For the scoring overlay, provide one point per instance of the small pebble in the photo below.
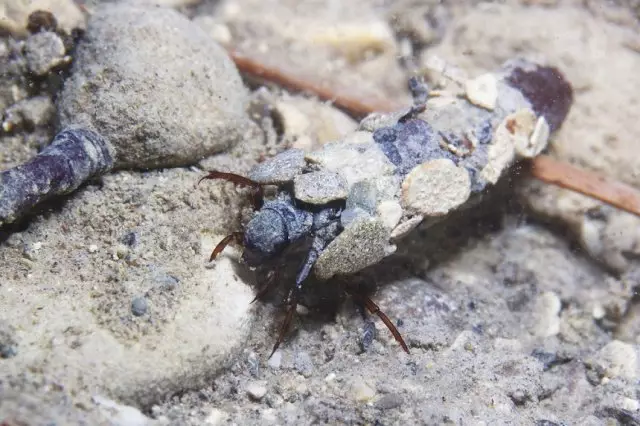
(360, 245)
(617, 359)
(275, 361)
(320, 187)
(389, 401)
(93, 248)
(483, 91)
(282, 168)
(436, 187)
(361, 392)
(44, 51)
(257, 390)
(546, 315)
(139, 306)
(303, 364)
(7, 351)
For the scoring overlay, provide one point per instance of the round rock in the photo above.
(435, 188)
(281, 169)
(156, 86)
(320, 187)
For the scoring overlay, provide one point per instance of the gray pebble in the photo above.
(282, 168)
(155, 85)
(166, 281)
(363, 195)
(139, 306)
(362, 244)
(130, 239)
(368, 334)
(320, 187)
(303, 364)
(389, 401)
(44, 51)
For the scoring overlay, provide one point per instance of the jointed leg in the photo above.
(257, 195)
(316, 247)
(236, 237)
(266, 286)
(375, 310)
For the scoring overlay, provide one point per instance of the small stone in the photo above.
(257, 390)
(362, 195)
(360, 245)
(483, 91)
(405, 227)
(14, 14)
(501, 152)
(617, 359)
(282, 168)
(320, 187)
(546, 315)
(93, 248)
(356, 162)
(353, 39)
(44, 52)
(361, 392)
(303, 363)
(166, 282)
(435, 188)
(275, 361)
(389, 401)
(139, 306)
(390, 212)
(216, 417)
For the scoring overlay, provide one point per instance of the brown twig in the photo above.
(543, 167)
(351, 104)
(565, 175)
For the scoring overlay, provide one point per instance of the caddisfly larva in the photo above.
(356, 197)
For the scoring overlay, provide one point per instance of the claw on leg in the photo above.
(264, 288)
(374, 309)
(257, 197)
(235, 237)
(293, 302)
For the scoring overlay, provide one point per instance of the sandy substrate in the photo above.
(110, 313)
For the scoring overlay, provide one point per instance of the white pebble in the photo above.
(257, 390)
(436, 187)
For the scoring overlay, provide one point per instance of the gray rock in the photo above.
(362, 244)
(389, 401)
(44, 51)
(139, 306)
(282, 168)
(320, 187)
(155, 85)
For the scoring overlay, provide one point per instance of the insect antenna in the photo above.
(236, 237)
(257, 196)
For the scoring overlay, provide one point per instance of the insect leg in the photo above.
(375, 310)
(316, 247)
(257, 195)
(235, 237)
(264, 288)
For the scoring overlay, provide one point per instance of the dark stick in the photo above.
(74, 156)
